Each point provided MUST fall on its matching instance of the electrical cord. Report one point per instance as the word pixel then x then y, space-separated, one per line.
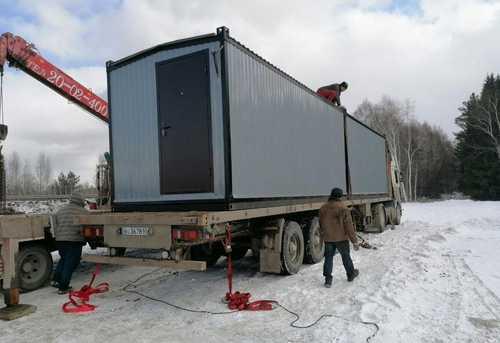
pixel 132 284
pixel 297 318
pixel 292 324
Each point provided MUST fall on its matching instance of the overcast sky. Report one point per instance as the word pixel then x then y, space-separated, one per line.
pixel 435 53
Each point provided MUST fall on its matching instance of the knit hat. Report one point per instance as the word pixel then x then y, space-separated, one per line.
pixel 77 199
pixel 336 194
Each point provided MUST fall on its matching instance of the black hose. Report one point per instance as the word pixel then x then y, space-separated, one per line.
pixel 132 284
pixel 292 323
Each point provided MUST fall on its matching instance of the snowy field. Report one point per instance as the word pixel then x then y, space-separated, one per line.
pixel 435 278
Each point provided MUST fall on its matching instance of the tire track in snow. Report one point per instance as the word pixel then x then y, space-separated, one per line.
pixel 410 284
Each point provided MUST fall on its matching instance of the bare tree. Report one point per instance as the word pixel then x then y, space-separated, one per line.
pixel 411 148
pixel 13 173
pixel 28 180
pixel 47 176
pixel 39 167
pixel 43 172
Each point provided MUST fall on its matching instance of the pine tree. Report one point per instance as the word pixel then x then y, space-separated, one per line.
pixel 66 184
pixel 478 143
pixel 73 181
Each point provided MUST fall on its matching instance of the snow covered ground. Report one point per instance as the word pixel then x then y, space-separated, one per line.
pixel 435 278
pixel 36 207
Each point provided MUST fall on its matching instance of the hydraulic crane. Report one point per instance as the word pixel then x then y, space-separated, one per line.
pixel 23 55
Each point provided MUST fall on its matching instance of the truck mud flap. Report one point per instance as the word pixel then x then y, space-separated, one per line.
pixel 270 261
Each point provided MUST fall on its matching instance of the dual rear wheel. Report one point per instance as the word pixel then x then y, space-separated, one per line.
pixel 301 246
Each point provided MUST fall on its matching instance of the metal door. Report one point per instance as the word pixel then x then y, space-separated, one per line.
pixel 183 90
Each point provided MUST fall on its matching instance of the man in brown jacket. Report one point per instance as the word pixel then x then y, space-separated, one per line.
pixel 336 230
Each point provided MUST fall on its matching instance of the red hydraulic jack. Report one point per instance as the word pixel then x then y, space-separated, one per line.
pixel 240 301
pixel 78 300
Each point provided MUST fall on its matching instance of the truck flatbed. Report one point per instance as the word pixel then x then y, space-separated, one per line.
pixel 206 218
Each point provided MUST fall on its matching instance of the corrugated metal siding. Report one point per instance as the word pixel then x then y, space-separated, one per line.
pixel 367 159
pixel 135 129
pixel 285 142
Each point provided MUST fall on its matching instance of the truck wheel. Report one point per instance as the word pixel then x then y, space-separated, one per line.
pixel 33 266
pixel 205 252
pixel 398 215
pixel 379 217
pixel 315 247
pixel 292 248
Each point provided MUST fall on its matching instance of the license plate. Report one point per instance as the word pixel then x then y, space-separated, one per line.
pixel 136 231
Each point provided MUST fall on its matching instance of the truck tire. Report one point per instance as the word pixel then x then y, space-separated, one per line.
pixel 379 217
pixel 398 215
pixel 315 247
pixel 292 248
pixel 206 252
pixel 33 266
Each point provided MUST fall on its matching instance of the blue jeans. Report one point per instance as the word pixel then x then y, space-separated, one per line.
pixel 71 253
pixel 343 248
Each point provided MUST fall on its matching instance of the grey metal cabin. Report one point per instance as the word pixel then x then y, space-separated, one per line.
pixel 205 123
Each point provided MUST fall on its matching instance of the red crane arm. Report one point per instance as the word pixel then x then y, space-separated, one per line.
pixel 23 55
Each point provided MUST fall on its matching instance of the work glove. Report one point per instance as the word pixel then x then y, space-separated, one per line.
pixel 356 246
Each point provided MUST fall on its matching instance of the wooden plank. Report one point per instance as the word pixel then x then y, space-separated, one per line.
pixel 143 262
pixel 16 311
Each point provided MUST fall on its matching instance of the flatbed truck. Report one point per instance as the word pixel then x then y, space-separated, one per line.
pixel 257 158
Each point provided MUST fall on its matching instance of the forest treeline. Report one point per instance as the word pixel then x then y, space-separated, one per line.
pixel 431 163
pixel 25 177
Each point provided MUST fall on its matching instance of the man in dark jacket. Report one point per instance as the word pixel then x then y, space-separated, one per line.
pixel 337 229
pixel 332 92
pixel 69 242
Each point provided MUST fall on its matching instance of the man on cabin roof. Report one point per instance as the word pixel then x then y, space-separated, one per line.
pixel 332 92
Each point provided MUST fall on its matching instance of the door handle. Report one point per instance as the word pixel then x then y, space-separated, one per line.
pixel 164 130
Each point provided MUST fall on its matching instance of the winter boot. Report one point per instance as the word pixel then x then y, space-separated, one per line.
pixel 62 291
pixel 354 274
pixel 328 282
